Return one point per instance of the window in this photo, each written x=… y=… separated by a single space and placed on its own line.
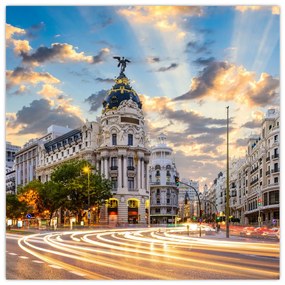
x=158 y=201
x=131 y=183
x=114 y=139
x=114 y=161
x=157 y=173
x=275 y=138
x=157 y=211
x=265 y=201
x=168 y=201
x=157 y=191
x=114 y=182
x=275 y=180
x=74 y=149
x=130 y=139
x=274 y=197
x=130 y=161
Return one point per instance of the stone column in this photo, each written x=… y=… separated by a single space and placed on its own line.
x=106 y=168
x=102 y=166
x=139 y=174
x=119 y=172
x=143 y=180
x=125 y=173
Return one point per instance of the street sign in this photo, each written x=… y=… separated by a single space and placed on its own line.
x=28 y=216
x=89 y=215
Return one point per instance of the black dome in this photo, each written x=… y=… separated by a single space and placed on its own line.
x=119 y=92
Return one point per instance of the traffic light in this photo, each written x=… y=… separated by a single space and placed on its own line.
x=259 y=201
x=177 y=181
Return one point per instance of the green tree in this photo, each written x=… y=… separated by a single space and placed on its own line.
x=14 y=208
x=77 y=185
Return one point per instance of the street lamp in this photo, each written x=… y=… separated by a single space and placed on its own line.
x=87 y=170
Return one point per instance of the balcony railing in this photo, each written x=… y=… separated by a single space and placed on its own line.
x=253 y=170
x=276 y=155
x=276 y=170
x=254 y=181
x=268 y=158
x=132 y=168
x=267 y=172
x=114 y=167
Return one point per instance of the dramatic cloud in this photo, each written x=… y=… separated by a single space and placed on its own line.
x=203 y=61
x=170 y=67
x=40 y=115
x=20 y=91
x=196 y=47
x=252 y=124
x=225 y=81
x=96 y=100
x=21 y=76
x=49 y=91
x=275 y=10
x=164 y=18
x=19 y=45
x=61 y=53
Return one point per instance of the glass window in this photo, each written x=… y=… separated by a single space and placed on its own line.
x=114 y=161
x=114 y=139
x=131 y=184
x=130 y=139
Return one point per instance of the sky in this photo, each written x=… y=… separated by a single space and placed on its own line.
x=188 y=63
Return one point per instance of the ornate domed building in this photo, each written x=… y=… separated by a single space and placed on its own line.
x=163 y=190
x=122 y=154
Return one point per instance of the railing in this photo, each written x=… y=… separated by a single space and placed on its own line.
x=276 y=155
x=114 y=167
x=132 y=168
x=268 y=158
x=267 y=172
x=254 y=181
x=276 y=170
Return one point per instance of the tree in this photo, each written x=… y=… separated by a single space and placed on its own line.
x=73 y=182
x=30 y=194
x=14 y=208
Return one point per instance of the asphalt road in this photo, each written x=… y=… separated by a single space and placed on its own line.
x=140 y=254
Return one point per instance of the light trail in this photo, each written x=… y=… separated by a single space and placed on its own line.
x=152 y=246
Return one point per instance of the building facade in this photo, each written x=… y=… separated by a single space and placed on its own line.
x=116 y=147
x=255 y=179
x=188 y=200
x=27 y=158
x=163 y=190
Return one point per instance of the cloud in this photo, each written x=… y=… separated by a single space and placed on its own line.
x=107 y=80
x=153 y=59
x=21 y=76
x=32 y=32
x=241 y=142
x=252 y=125
x=20 y=91
x=203 y=61
x=164 y=18
x=225 y=81
x=49 y=92
x=96 y=100
x=167 y=68
x=61 y=53
x=196 y=47
x=37 y=117
x=100 y=56
x=275 y=10
x=19 y=45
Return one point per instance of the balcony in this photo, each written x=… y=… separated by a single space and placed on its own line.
x=275 y=170
x=253 y=170
x=155 y=183
x=267 y=172
x=267 y=158
x=131 y=168
x=114 y=167
x=254 y=181
x=275 y=156
x=114 y=171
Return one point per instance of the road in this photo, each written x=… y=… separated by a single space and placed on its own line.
x=140 y=254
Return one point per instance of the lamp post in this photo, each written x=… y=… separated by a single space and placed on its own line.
x=228 y=188
x=87 y=169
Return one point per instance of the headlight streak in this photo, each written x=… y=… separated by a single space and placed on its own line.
x=123 y=248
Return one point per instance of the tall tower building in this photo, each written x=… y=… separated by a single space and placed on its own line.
x=163 y=190
x=122 y=155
